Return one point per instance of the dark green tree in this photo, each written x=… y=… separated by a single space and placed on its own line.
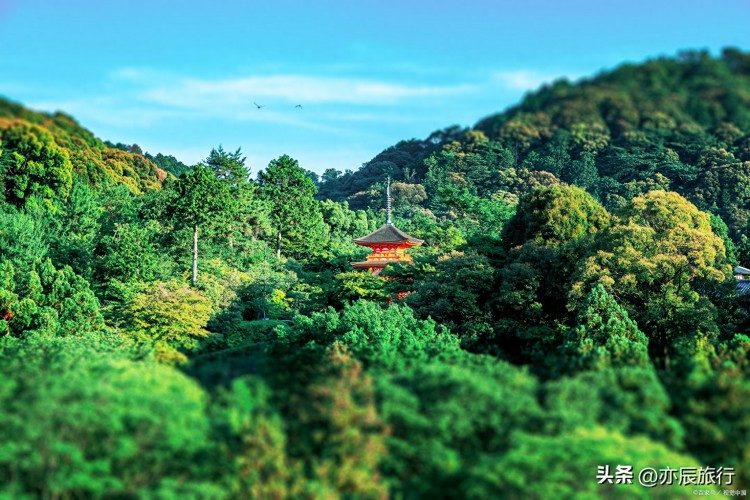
x=295 y=214
x=46 y=301
x=605 y=336
x=77 y=228
x=445 y=419
x=228 y=166
x=456 y=294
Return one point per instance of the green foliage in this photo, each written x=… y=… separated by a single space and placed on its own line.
x=228 y=166
x=77 y=229
x=253 y=439
x=721 y=230
x=93 y=161
x=169 y=164
x=445 y=419
x=295 y=214
x=710 y=388
x=169 y=315
x=81 y=423
x=476 y=215
x=567 y=465
x=554 y=216
x=23 y=239
x=385 y=337
x=359 y=284
x=456 y=294
x=131 y=254
x=605 y=336
x=656 y=261
x=345 y=224
x=31 y=164
x=347 y=432
x=46 y=301
x=334 y=432
x=200 y=197
x=245 y=332
x=628 y=399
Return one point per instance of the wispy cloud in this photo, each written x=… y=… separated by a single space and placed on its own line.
x=524 y=79
x=291 y=89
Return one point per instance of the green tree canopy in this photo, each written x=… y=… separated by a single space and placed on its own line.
x=82 y=423
x=605 y=336
x=228 y=166
x=46 y=301
x=31 y=164
x=169 y=315
x=200 y=198
x=552 y=216
x=383 y=337
x=657 y=261
x=295 y=214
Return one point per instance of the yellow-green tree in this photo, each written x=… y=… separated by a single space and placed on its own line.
x=31 y=164
x=657 y=261
x=171 y=316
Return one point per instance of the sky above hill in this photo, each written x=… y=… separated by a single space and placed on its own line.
x=337 y=81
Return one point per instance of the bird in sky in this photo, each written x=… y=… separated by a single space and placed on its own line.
x=298 y=106
x=259 y=105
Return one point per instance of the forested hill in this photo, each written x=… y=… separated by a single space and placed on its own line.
x=63 y=148
x=675 y=123
x=692 y=91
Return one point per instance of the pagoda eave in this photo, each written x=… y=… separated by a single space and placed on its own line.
x=388 y=234
x=373 y=263
x=396 y=244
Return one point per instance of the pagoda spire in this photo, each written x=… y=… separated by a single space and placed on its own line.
x=388 y=202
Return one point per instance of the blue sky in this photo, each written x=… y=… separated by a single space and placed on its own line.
x=181 y=77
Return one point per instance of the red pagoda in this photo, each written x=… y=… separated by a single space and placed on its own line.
x=388 y=243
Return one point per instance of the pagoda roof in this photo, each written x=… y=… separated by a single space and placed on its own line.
x=388 y=233
x=374 y=263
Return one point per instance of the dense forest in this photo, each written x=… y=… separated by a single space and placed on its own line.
x=198 y=331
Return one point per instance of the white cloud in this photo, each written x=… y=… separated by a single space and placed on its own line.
x=523 y=79
x=290 y=89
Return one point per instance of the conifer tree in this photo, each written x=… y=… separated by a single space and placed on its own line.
x=200 y=198
x=295 y=213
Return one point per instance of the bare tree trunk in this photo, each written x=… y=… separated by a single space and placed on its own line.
x=195 y=254
x=278 y=246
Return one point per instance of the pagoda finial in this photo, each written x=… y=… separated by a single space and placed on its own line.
x=388 y=202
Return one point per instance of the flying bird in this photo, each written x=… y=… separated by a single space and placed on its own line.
x=259 y=105
x=298 y=106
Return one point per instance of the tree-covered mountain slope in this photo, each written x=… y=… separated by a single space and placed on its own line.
x=674 y=123
x=56 y=147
